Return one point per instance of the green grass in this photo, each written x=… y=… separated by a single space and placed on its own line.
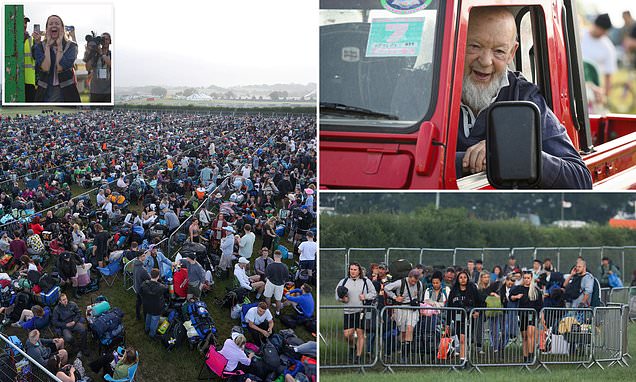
x=492 y=374
x=12 y=111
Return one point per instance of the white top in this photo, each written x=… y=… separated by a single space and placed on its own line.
x=246 y=245
x=252 y=316
x=599 y=51
x=307 y=250
x=242 y=278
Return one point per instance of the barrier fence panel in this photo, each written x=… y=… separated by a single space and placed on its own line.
x=412 y=255
x=551 y=253
x=565 y=336
x=568 y=257
x=502 y=337
x=619 y=296
x=628 y=265
x=632 y=304
x=625 y=319
x=21 y=366
x=524 y=256
x=495 y=256
x=367 y=256
x=439 y=258
x=355 y=347
x=333 y=269
x=608 y=335
x=605 y=295
x=462 y=255
x=414 y=336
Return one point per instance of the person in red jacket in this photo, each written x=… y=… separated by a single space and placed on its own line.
x=180 y=282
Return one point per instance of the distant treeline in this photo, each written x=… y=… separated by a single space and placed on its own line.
x=456 y=227
x=215 y=109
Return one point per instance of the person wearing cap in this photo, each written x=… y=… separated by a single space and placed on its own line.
x=196 y=276
x=276 y=275
x=246 y=242
x=156 y=259
x=597 y=48
x=309 y=202
x=227 y=248
x=250 y=283
x=409 y=292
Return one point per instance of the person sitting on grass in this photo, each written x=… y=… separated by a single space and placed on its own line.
x=260 y=323
x=35 y=318
x=302 y=301
x=248 y=282
x=43 y=349
x=64 y=372
x=115 y=364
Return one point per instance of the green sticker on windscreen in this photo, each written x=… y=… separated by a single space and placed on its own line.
x=400 y=37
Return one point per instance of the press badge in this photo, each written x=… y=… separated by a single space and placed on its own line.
x=530 y=317
x=102 y=74
x=458 y=317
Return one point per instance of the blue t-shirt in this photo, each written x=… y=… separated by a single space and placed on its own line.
x=304 y=300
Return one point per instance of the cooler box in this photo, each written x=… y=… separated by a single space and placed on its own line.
x=51 y=297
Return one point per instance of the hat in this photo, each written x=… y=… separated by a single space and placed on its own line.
x=229 y=229
x=153 y=206
x=342 y=291
x=304 y=207
x=218 y=195
x=309 y=191
x=28 y=20
x=151 y=247
x=603 y=21
x=234 y=335
x=243 y=260
x=383 y=266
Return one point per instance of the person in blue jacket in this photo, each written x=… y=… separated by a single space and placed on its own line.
x=156 y=259
x=302 y=300
x=490 y=46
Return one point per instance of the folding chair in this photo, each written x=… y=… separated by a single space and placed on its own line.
x=129 y=282
x=216 y=363
x=131 y=374
x=110 y=270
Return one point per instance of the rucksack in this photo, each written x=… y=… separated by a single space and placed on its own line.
x=278 y=341
x=400 y=268
x=174 y=336
x=271 y=356
x=596 y=294
x=443 y=290
x=201 y=319
x=22 y=302
x=573 y=289
x=107 y=322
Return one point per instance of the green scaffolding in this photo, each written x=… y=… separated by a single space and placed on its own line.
x=14 y=53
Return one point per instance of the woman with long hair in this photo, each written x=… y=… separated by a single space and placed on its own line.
x=54 y=59
x=464 y=295
x=486 y=288
x=529 y=296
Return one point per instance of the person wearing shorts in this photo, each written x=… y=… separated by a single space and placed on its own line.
x=529 y=297
x=407 y=292
x=276 y=274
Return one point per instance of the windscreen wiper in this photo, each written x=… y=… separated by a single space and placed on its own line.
x=339 y=108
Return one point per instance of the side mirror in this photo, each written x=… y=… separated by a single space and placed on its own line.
x=513 y=145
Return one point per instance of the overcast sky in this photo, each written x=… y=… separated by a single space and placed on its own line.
x=225 y=43
x=614 y=8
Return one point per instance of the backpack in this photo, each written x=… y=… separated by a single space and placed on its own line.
x=573 y=289
x=270 y=356
x=22 y=301
x=443 y=290
x=400 y=268
x=107 y=323
x=200 y=318
x=419 y=290
x=174 y=336
x=595 y=299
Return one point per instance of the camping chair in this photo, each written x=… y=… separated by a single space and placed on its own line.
x=110 y=270
x=132 y=370
x=216 y=363
x=128 y=275
x=244 y=309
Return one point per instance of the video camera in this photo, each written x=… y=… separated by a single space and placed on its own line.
x=92 y=44
x=92 y=38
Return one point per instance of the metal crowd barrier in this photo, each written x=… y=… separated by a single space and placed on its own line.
x=565 y=336
x=22 y=366
x=359 y=348
x=413 y=336
x=503 y=337
x=607 y=332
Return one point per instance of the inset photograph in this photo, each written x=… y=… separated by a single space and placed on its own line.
x=58 y=54
x=421 y=284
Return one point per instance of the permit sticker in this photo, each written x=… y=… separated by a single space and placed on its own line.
x=395 y=37
x=350 y=54
x=404 y=7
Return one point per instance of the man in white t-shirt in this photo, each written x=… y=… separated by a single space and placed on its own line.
x=307 y=250
x=260 y=323
x=598 y=49
x=246 y=242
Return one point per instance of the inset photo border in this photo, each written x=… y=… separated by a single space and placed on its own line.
x=83 y=32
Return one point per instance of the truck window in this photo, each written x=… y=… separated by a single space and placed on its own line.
x=526 y=49
x=377 y=66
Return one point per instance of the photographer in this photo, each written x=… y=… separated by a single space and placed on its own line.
x=98 y=62
x=54 y=58
x=407 y=291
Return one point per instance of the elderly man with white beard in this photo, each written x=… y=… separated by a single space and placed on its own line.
x=491 y=45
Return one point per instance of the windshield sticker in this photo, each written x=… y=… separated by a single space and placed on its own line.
x=350 y=54
x=405 y=6
x=395 y=37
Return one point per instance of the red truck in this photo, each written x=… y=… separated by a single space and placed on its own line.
x=391 y=75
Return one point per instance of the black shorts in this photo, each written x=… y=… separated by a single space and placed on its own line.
x=527 y=318
x=353 y=321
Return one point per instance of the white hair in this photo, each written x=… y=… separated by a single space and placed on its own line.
x=477 y=96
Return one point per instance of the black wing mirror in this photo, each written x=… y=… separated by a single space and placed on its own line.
x=513 y=145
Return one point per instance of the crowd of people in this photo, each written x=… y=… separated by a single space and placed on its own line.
x=207 y=181
x=462 y=289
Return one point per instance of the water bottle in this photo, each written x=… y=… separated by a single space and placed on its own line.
x=170 y=287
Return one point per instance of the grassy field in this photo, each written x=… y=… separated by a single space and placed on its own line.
x=493 y=374
x=12 y=111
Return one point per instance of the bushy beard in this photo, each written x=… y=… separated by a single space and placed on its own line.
x=478 y=96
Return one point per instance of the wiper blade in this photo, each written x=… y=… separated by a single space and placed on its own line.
x=346 y=109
